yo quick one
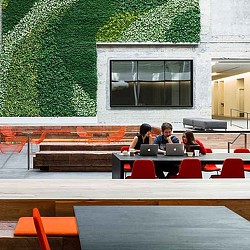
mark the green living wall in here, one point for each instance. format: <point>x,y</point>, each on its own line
<point>48,56</point>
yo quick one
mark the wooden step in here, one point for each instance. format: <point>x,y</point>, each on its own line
<point>84,161</point>
<point>80,146</point>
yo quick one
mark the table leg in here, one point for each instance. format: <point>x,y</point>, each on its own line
<point>28,151</point>
<point>117,168</point>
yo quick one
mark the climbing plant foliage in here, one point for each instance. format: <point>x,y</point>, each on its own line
<point>48,57</point>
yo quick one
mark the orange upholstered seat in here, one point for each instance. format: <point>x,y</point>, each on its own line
<point>53,226</point>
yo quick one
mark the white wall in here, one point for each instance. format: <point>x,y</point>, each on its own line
<point>155,116</point>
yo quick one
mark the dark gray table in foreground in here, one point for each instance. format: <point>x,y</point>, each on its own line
<point>214,158</point>
<point>161,227</point>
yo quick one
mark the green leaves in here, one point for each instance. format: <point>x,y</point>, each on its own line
<point>154,21</point>
<point>48,60</point>
<point>115,27</point>
<point>185,27</point>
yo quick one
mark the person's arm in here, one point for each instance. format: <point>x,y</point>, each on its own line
<point>169,139</point>
<point>157,141</point>
<point>202,148</point>
<point>150,140</point>
<point>133,143</point>
<point>174,139</point>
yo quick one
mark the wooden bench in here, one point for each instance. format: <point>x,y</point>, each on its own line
<point>75,156</point>
<point>88,161</point>
<point>204,123</point>
<point>9,241</point>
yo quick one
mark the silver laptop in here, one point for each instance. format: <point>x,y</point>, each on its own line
<point>174,149</point>
<point>149,149</point>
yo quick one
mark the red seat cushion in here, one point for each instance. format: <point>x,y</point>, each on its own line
<point>53,226</point>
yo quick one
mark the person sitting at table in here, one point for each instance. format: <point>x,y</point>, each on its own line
<point>165,137</point>
<point>144,137</point>
<point>188,140</point>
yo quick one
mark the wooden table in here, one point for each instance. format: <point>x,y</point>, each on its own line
<point>166,227</point>
<point>214,158</point>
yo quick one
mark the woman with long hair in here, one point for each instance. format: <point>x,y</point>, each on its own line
<point>189,140</point>
<point>144,137</point>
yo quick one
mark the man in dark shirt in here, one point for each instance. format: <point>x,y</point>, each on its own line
<point>165,137</point>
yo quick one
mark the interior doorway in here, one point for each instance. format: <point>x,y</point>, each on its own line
<point>230,80</point>
<point>240,97</point>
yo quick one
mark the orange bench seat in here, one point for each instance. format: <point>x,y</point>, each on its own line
<point>53,226</point>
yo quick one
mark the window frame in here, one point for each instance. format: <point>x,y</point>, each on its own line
<point>137,73</point>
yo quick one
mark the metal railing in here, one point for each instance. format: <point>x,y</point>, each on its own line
<point>238,136</point>
<point>241,112</point>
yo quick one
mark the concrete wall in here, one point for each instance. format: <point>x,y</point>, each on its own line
<point>224,34</point>
<point>136,115</point>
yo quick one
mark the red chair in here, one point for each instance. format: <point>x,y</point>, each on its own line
<point>7,131</point>
<point>143,169</point>
<point>40,139</point>
<point>43,241</point>
<point>37,141</point>
<point>126,166</point>
<point>231,168</point>
<point>189,169</point>
<point>243,150</point>
<point>210,167</point>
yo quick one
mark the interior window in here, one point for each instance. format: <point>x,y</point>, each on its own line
<point>151,83</point>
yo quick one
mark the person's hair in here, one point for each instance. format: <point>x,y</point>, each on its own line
<point>190,138</point>
<point>166,125</point>
<point>144,128</point>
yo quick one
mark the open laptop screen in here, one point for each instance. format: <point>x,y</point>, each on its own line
<point>149,149</point>
<point>174,149</point>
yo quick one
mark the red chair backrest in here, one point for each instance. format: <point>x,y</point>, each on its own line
<point>143,169</point>
<point>241,150</point>
<point>123,148</point>
<point>190,168</point>
<point>43,241</point>
<point>233,168</point>
<point>209,150</point>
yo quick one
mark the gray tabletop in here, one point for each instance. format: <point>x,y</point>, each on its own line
<point>161,227</point>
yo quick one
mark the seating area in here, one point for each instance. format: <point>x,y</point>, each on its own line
<point>55,201</point>
<point>204,123</point>
<point>74,155</point>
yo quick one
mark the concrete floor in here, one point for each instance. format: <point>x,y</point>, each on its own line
<point>14,166</point>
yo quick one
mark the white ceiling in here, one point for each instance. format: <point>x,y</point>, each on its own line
<point>222,68</point>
